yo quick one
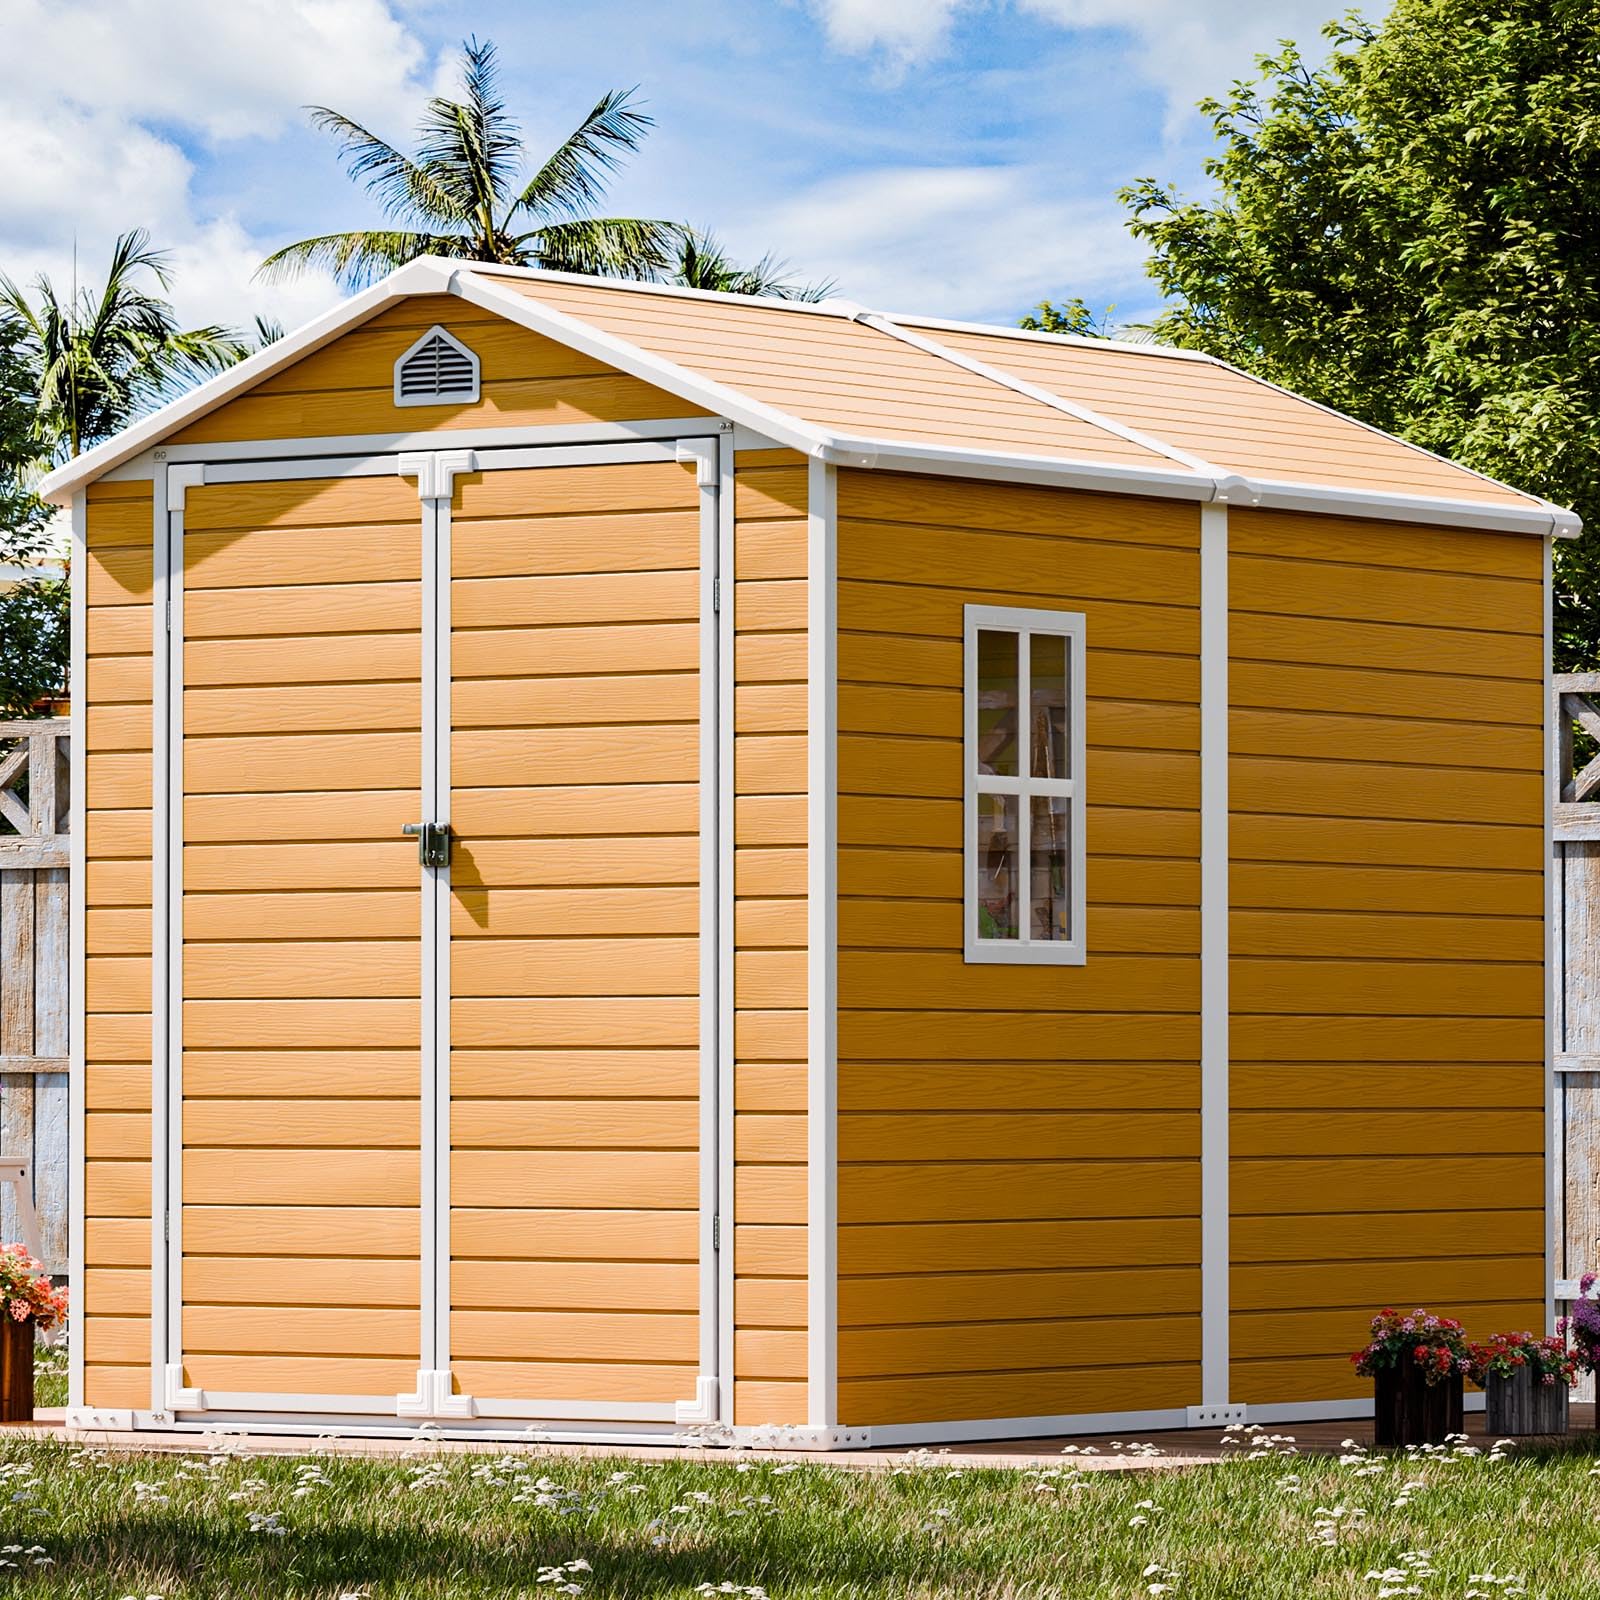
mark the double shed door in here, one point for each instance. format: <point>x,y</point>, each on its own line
<point>441,1135</point>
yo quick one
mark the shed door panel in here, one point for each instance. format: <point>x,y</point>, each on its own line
<point>301,940</point>
<point>575,953</point>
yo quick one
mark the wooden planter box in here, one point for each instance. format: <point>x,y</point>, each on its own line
<point>16,1370</point>
<point>1521,1405</point>
<point>1410,1410</point>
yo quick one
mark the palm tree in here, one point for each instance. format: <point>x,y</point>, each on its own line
<point>703,264</point>
<point>463,193</point>
<point>96,361</point>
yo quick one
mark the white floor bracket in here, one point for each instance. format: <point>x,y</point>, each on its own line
<point>179,1398</point>
<point>433,1399</point>
<point>1221,1415</point>
<point>702,1409</point>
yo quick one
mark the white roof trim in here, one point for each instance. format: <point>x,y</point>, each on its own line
<point>1165,352</point>
<point>475,284</point>
<point>427,276</point>
<point>479,289</point>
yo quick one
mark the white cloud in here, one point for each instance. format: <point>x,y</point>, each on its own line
<point>93,134</point>
<point>907,31</point>
<point>984,241</point>
<point>1187,50</point>
<point>1190,51</point>
<point>225,70</point>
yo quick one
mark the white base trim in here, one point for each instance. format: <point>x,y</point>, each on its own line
<point>1027,1427</point>
<point>102,1419</point>
<point>1218,1416</point>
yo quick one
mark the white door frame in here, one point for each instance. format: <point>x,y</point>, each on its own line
<point>432,1399</point>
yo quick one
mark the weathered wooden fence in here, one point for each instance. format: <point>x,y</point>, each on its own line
<point>1576,715</point>
<point>34,912</point>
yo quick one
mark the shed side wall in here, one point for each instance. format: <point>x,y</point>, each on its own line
<point>769,597</point>
<point>1387,938</point>
<point>1012,1139</point>
<point>115,1321</point>
<point>348,387</point>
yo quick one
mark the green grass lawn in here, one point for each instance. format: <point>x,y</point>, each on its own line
<point>82,1522</point>
<point>50,1375</point>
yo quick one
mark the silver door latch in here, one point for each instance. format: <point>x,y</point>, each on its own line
<point>433,842</point>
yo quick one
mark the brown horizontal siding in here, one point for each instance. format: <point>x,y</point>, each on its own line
<point>348,387</point>
<point>118,574</point>
<point>1010,1138</point>
<point>1386,915</point>
<point>770,937</point>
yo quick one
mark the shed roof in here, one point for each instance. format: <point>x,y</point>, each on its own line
<point>850,385</point>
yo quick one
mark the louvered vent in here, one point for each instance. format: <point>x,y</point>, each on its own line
<point>437,370</point>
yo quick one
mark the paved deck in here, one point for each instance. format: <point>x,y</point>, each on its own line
<point>1177,1448</point>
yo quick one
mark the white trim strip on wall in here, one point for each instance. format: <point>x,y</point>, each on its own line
<point>168,802</point>
<point>343,444</point>
<point>1554,1117</point>
<point>434,1196</point>
<point>164,550</point>
<point>77,899</point>
<point>822,928</point>
<point>1214,998</point>
<point>705,1406</point>
<point>726,1217</point>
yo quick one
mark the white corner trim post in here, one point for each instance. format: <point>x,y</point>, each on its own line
<point>435,473</point>
<point>706,453</point>
<point>1554,1111</point>
<point>165,544</point>
<point>1214,1001</point>
<point>167,914</point>
<point>77,1104</point>
<point>822,927</point>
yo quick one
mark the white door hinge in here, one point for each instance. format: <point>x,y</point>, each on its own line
<point>716,594</point>
<point>716,1233</point>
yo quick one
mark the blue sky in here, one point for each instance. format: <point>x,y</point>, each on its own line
<point>958,157</point>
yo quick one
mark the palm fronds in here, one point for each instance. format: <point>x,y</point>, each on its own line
<point>99,360</point>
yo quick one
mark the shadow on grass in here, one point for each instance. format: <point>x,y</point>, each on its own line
<point>159,1549</point>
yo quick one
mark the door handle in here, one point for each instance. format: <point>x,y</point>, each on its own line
<point>433,842</point>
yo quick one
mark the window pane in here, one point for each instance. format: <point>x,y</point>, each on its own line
<point>997,703</point>
<point>1049,879</point>
<point>1048,692</point>
<point>997,866</point>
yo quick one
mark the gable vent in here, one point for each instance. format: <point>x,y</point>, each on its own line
<point>437,370</point>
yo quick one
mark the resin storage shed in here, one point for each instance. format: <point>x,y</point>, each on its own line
<point>651,860</point>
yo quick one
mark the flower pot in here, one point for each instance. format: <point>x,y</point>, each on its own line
<point>1521,1404</point>
<point>16,1370</point>
<point>1410,1410</point>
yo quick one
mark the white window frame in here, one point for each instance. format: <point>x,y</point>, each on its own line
<point>1024,622</point>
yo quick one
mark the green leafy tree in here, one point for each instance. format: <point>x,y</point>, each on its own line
<point>33,611</point>
<point>1069,316</point>
<point>1409,233</point>
<point>74,370</point>
<point>465,194</point>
